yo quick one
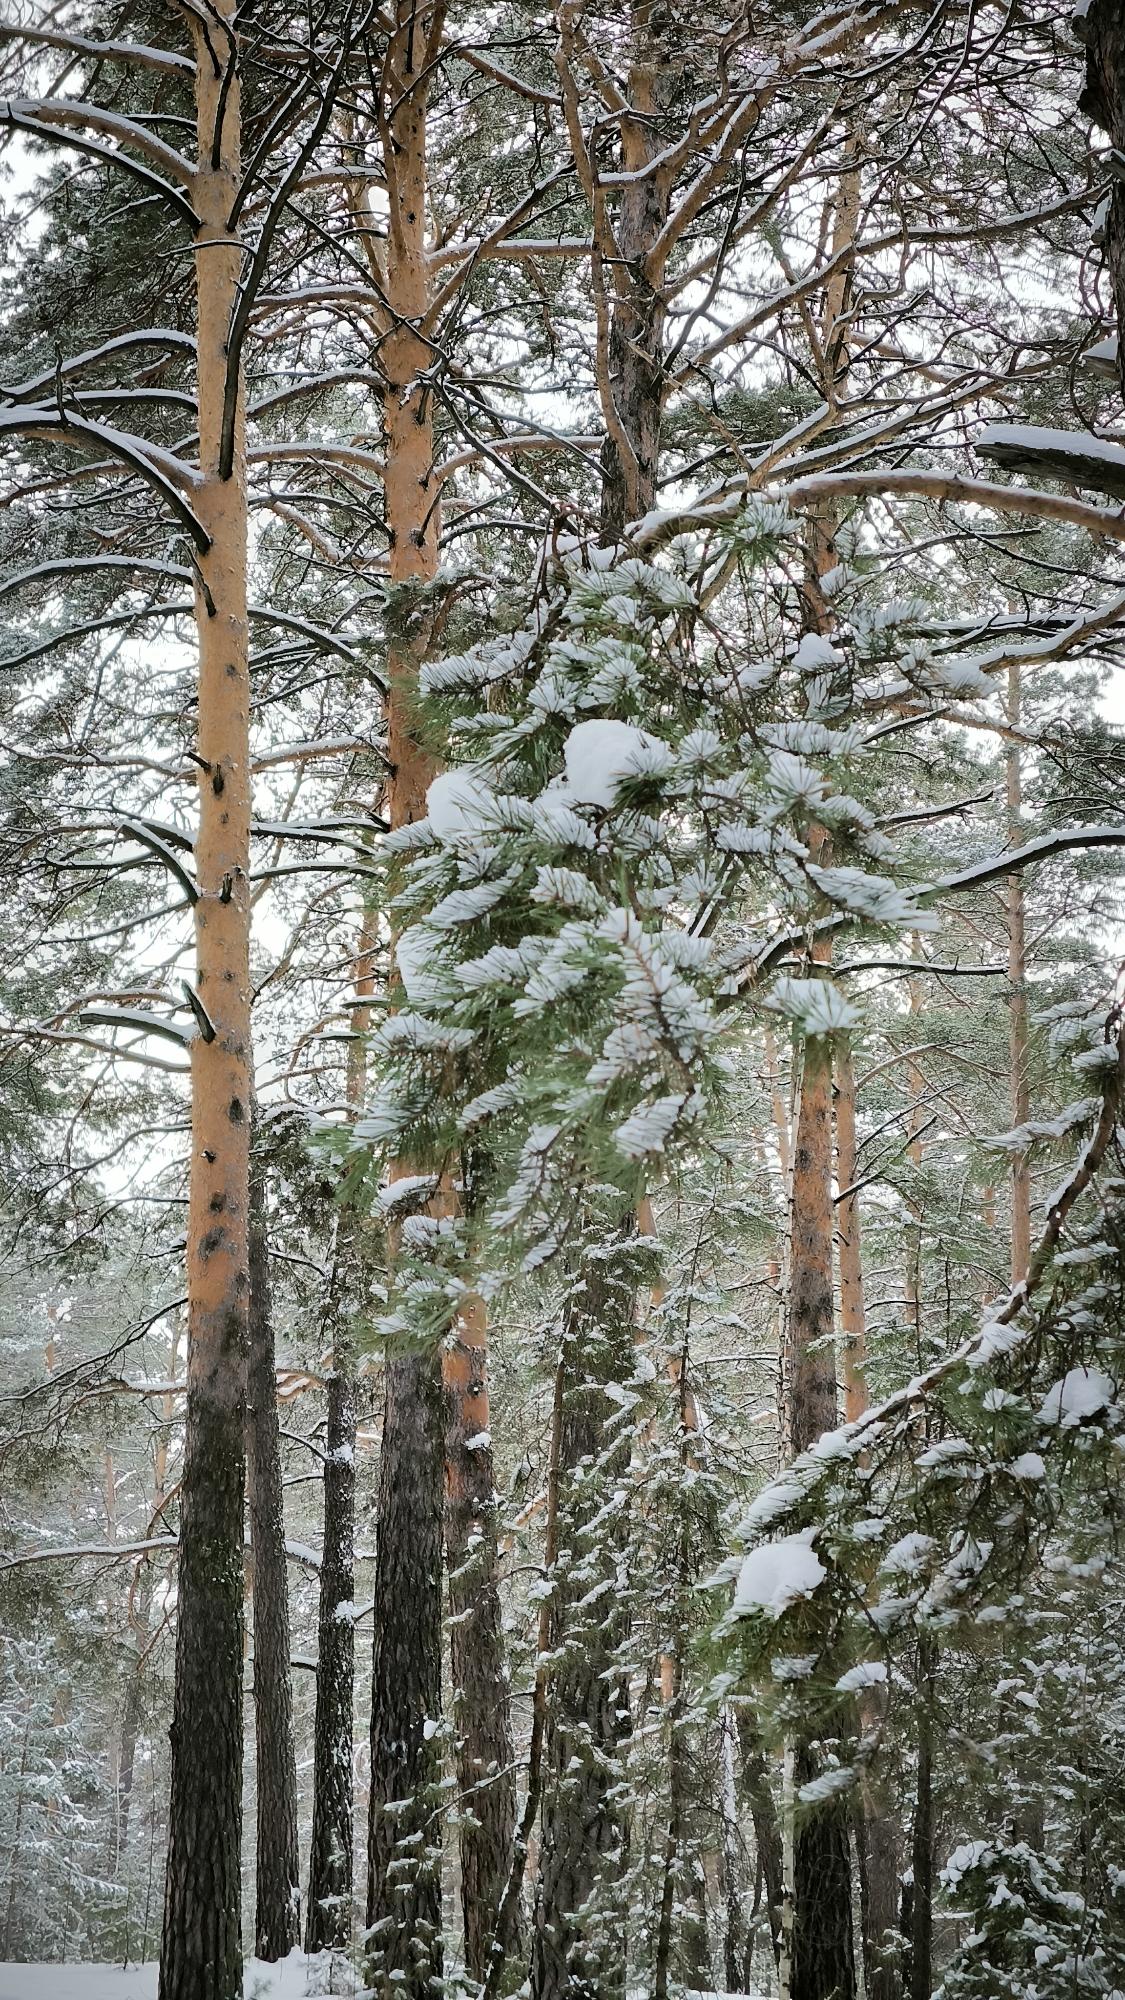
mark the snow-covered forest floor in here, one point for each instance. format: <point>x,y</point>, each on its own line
<point>296,1978</point>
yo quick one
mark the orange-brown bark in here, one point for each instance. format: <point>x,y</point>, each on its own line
<point>403,1886</point>
<point>436,1406</point>
<point>201,1956</point>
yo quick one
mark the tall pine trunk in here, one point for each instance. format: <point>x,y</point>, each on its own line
<point>404,1843</point>
<point>876,1831</point>
<point>277,1914</point>
<point>431,1412</point>
<point>481,1712</point>
<point>201,1945</point>
<point>578,1940</point>
<point>822,1966</point>
<point>576,1948</point>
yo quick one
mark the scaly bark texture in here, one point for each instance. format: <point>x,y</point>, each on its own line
<point>578,1939</point>
<point>201,1946</point>
<point>631,450</point>
<point>810,1359</point>
<point>481,1711</point>
<point>277,1918</point>
<point>404,1846</point>
<point>1102,30</point>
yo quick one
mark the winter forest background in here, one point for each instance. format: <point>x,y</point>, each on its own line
<point>562,591</point>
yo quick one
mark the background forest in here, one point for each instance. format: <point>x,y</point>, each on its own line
<point>562,591</point>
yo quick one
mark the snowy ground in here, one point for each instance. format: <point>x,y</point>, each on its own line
<point>297,1977</point>
<point>292,1980</point>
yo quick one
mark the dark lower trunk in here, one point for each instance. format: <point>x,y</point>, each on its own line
<point>404,1845</point>
<point>328,1920</point>
<point>882,1940</point>
<point>202,1947</point>
<point>578,1941</point>
<point>481,1711</point>
<point>277,1918</point>
<point>823,1961</point>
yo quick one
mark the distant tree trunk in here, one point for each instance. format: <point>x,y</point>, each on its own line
<point>133,1704</point>
<point>767,1829</point>
<point>1102,29</point>
<point>1018,1041</point>
<point>729,1852</point>
<point>853,1324</point>
<point>277,1918</point>
<point>126,1759</point>
<point>482,1726</point>
<point>201,1946</point>
<point>876,1833</point>
<point>916,1085</point>
<point>328,1917</point>
<point>328,1920</point>
<point>578,1949</point>
<point>922,1900</point>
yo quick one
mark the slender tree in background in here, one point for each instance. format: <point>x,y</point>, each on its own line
<point>328,1924</point>
<point>328,1909</point>
<point>1019,1039</point>
<point>277,1917</point>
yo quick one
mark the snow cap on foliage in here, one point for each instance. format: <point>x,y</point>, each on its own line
<point>457,805</point>
<point>777,1575</point>
<point>815,1006</point>
<point>1083,1393</point>
<point>599,754</point>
